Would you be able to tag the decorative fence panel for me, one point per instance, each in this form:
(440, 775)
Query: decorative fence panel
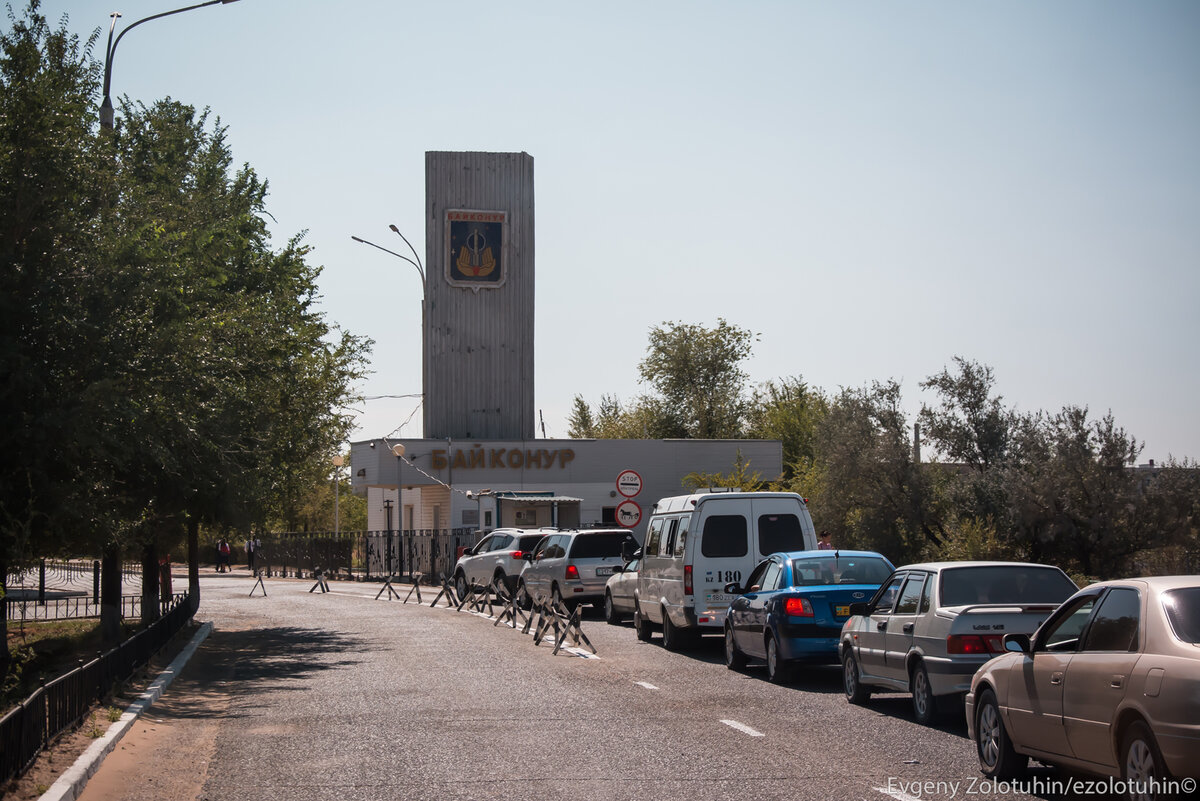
(364, 554)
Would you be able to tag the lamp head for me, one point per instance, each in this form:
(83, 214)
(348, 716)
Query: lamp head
(398, 449)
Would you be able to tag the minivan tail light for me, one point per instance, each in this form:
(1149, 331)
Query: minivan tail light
(517, 554)
(572, 572)
(798, 607)
(687, 579)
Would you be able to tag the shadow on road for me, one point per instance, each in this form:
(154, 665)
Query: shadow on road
(231, 662)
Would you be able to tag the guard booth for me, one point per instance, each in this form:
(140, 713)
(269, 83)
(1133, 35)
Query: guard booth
(523, 509)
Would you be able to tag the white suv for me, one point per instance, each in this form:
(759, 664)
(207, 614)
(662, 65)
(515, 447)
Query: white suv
(572, 567)
(495, 559)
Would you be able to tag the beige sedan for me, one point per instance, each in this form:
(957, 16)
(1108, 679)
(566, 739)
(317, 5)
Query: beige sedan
(1109, 684)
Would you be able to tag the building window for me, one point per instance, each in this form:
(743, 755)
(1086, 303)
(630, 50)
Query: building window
(608, 516)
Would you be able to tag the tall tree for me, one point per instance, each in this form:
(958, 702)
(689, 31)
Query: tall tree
(50, 179)
(863, 484)
(698, 373)
(790, 411)
(969, 425)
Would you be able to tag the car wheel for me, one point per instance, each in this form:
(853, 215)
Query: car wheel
(641, 625)
(1142, 765)
(524, 600)
(672, 637)
(997, 758)
(778, 670)
(856, 691)
(734, 659)
(923, 701)
(610, 612)
(500, 585)
(460, 585)
(557, 599)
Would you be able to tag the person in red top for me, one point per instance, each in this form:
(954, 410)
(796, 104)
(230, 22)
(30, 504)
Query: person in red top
(823, 543)
(223, 551)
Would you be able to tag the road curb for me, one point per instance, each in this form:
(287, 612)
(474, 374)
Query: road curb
(69, 785)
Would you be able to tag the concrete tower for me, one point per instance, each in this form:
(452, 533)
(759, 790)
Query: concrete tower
(478, 337)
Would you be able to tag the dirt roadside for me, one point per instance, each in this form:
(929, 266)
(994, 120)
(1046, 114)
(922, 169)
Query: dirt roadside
(165, 753)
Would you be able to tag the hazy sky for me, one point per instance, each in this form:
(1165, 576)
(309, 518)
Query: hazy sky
(874, 187)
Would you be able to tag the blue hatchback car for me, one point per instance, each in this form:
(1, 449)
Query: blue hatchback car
(791, 609)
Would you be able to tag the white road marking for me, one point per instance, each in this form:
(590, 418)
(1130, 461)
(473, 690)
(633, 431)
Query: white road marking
(742, 727)
(645, 684)
(897, 794)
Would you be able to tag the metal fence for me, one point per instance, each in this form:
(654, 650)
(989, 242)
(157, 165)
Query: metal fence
(363, 554)
(72, 607)
(59, 704)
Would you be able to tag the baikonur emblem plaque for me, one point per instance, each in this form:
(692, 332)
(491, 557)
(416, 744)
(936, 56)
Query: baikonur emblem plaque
(475, 248)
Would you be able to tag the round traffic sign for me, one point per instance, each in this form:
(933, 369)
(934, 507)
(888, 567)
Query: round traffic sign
(629, 514)
(629, 483)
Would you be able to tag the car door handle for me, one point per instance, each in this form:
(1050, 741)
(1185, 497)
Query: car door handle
(1056, 678)
(908, 628)
(881, 626)
(1117, 682)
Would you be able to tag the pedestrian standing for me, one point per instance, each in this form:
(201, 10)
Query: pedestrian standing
(223, 554)
(250, 548)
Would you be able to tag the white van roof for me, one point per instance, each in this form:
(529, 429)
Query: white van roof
(684, 503)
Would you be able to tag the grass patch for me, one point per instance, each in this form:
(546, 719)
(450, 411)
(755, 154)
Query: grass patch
(43, 650)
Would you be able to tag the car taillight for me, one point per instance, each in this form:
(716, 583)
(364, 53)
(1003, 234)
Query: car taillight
(572, 572)
(517, 554)
(687, 579)
(798, 607)
(974, 644)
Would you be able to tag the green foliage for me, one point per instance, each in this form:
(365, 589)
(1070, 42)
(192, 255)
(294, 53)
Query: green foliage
(697, 372)
(739, 478)
(790, 411)
(160, 363)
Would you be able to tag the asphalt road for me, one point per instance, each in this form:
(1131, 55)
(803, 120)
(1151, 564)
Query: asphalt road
(313, 696)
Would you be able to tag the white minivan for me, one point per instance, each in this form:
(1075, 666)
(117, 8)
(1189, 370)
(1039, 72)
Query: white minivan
(696, 544)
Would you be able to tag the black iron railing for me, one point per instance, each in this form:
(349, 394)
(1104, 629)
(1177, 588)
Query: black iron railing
(59, 704)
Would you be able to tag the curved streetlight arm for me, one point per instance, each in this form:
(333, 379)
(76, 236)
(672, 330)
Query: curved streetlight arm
(420, 269)
(106, 108)
(410, 247)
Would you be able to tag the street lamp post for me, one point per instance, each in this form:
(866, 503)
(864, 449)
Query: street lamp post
(398, 451)
(106, 108)
(338, 461)
(415, 262)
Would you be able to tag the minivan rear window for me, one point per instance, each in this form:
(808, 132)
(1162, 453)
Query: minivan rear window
(779, 533)
(597, 546)
(724, 535)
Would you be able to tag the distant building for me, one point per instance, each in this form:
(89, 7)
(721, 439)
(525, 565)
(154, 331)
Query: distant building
(479, 465)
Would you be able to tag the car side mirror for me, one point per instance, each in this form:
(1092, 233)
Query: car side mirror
(618, 569)
(733, 588)
(1017, 643)
(627, 549)
(860, 609)
(527, 556)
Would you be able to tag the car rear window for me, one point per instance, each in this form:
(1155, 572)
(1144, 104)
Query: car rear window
(597, 546)
(724, 535)
(840, 570)
(528, 542)
(1004, 584)
(779, 533)
(1183, 610)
